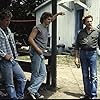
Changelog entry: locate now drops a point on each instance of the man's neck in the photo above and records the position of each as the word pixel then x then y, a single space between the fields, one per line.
pixel 44 25
pixel 89 29
pixel 3 27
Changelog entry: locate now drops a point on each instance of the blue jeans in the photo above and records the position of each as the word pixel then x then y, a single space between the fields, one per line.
pixel 89 71
pixel 38 70
pixel 10 70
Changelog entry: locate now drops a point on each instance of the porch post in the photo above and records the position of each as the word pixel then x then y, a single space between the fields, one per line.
pixel 54 49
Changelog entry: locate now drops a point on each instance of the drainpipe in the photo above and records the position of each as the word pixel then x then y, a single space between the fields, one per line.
pixel 54 49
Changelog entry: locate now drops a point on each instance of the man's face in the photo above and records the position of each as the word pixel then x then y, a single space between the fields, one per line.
pixel 88 22
pixel 47 21
pixel 5 22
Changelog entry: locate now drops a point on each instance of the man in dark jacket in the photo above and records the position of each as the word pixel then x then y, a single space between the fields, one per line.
pixel 86 45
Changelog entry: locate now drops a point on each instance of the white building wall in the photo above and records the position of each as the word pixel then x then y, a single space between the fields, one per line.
pixel 66 27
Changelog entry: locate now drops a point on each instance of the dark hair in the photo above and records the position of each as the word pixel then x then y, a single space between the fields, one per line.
pixel 85 17
pixel 45 15
pixel 5 13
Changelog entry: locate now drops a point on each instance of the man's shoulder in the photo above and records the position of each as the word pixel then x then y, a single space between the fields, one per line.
pixel 1 31
pixel 81 31
pixel 38 25
pixel 96 29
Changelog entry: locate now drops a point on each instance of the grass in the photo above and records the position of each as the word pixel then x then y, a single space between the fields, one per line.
pixel 64 59
pixel 61 59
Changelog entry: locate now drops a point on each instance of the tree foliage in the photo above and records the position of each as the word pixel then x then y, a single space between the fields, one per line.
pixel 21 10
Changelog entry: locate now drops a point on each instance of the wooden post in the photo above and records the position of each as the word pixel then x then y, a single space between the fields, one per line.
pixel 54 49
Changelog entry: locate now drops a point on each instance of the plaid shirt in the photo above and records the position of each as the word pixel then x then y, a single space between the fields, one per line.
pixel 7 44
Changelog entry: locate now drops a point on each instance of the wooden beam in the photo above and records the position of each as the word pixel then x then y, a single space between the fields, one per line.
pixel 54 42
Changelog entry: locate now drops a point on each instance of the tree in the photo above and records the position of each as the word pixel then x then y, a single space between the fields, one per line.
pixel 4 4
pixel 21 10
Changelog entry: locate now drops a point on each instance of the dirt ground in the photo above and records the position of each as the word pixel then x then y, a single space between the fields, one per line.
pixel 69 80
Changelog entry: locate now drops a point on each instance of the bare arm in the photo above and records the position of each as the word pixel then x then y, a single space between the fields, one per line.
pixel 32 42
pixel 76 53
pixel 77 59
pixel 55 16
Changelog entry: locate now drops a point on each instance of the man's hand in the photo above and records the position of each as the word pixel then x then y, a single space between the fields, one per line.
pixel 7 57
pixel 77 62
pixel 98 51
pixel 39 51
pixel 55 16
pixel 61 13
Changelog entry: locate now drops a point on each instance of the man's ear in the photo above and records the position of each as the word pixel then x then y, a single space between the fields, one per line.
pixel 83 20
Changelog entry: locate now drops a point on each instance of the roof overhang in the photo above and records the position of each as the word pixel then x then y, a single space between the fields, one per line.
pixel 64 1
pixel 73 3
pixel 43 4
pixel 67 4
pixel 79 4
